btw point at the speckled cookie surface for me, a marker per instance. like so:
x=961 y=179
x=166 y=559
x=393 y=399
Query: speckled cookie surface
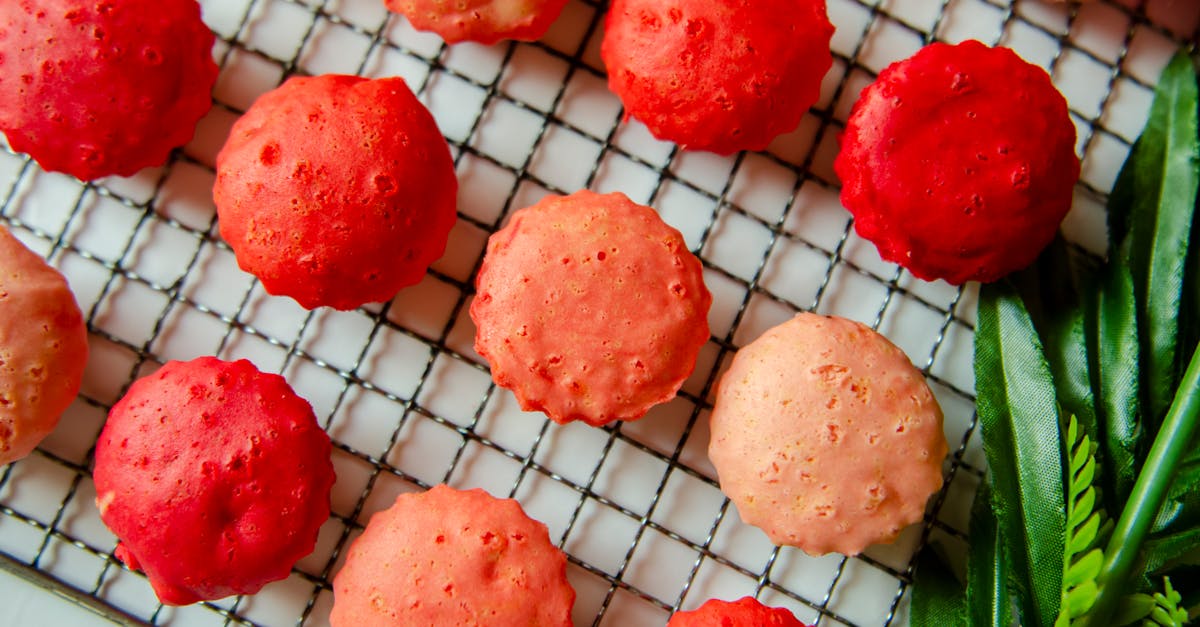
x=482 y=21
x=825 y=436
x=590 y=307
x=99 y=87
x=214 y=476
x=718 y=75
x=336 y=190
x=43 y=348
x=744 y=612
x=453 y=557
x=959 y=162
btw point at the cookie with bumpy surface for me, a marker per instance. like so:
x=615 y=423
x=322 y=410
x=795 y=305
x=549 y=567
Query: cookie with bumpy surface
x=959 y=162
x=336 y=190
x=100 y=87
x=215 y=478
x=43 y=348
x=717 y=75
x=825 y=436
x=590 y=307
x=453 y=557
x=482 y=21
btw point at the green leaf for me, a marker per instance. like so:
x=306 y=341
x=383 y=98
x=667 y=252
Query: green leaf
x=1127 y=541
x=1133 y=608
x=1084 y=570
x=1166 y=176
x=1018 y=414
x=1167 y=612
x=1182 y=509
x=1162 y=552
x=988 y=601
x=1085 y=527
x=937 y=596
x=1114 y=348
x=1054 y=289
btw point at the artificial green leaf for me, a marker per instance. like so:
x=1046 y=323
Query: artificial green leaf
x=1167 y=611
x=1132 y=609
x=1182 y=509
x=988 y=601
x=1054 y=289
x=1082 y=561
x=1085 y=504
x=1163 y=551
x=937 y=596
x=1166 y=176
x=1126 y=543
x=1018 y=414
x=1084 y=570
x=1114 y=349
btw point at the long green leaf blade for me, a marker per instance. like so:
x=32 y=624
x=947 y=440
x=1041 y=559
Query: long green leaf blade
x=1115 y=349
x=1018 y=413
x=988 y=601
x=1054 y=289
x=1166 y=177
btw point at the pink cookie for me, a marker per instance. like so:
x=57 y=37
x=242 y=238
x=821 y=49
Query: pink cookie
x=483 y=21
x=43 y=348
x=453 y=557
x=826 y=437
x=590 y=308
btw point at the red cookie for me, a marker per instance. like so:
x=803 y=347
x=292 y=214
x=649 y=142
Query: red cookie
x=483 y=21
x=43 y=348
x=959 y=162
x=214 y=476
x=336 y=190
x=99 y=87
x=745 y=612
x=451 y=557
x=590 y=308
x=719 y=75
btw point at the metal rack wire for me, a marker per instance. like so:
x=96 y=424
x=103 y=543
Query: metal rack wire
x=405 y=398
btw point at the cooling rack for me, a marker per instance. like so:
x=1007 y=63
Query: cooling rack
x=398 y=386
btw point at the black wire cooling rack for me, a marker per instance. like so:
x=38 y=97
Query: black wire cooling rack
x=408 y=402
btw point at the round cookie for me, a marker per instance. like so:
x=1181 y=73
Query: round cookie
x=825 y=436
x=745 y=612
x=482 y=21
x=43 y=348
x=104 y=86
x=336 y=190
x=451 y=557
x=959 y=162
x=718 y=75
x=214 y=476
x=590 y=307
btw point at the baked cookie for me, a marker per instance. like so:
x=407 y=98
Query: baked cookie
x=959 y=162
x=718 y=75
x=104 y=86
x=453 y=557
x=482 y=21
x=825 y=436
x=214 y=476
x=336 y=190
x=745 y=612
x=43 y=348
x=590 y=307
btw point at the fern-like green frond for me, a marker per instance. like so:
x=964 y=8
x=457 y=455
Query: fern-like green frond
x=1161 y=609
x=1167 y=611
x=1087 y=527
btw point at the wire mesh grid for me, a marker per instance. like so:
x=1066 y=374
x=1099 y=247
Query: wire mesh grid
x=398 y=386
